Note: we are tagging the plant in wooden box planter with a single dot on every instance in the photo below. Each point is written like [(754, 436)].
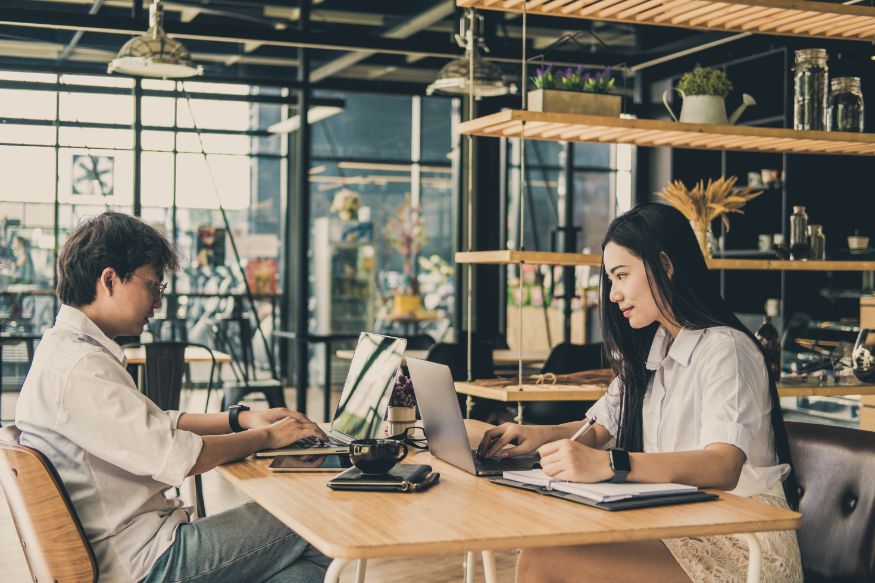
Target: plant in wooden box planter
[(573, 91), (704, 92), (704, 203)]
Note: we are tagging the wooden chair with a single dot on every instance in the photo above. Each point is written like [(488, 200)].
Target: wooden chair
[(54, 543)]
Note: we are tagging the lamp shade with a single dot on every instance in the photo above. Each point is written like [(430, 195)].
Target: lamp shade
[(154, 54), (454, 79)]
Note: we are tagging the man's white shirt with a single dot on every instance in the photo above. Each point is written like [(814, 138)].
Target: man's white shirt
[(114, 449)]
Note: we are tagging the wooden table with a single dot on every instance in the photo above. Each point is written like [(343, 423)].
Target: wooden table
[(193, 354), (500, 357), (547, 392), (463, 513)]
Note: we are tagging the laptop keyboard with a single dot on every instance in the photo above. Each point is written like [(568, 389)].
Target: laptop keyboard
[(500, 464), (313, 443)]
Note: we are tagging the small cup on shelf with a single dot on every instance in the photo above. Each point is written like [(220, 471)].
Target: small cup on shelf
[(858, 242)]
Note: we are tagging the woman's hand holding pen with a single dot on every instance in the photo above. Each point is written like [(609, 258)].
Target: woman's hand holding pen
[(574, 462)]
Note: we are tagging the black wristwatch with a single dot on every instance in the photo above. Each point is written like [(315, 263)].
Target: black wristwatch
[(233, 412), (620, 463)]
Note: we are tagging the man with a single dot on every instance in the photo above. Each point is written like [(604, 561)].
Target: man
[(117, 453)]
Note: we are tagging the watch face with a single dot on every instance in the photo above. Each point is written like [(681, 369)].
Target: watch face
[(620, 460)]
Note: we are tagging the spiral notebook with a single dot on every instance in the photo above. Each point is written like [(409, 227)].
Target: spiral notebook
[(605, 495)]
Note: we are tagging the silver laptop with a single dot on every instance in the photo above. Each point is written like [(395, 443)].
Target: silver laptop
[(364, 400), (444, 426)]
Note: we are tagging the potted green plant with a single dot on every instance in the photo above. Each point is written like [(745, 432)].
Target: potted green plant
[(704, 92), (572, 90)]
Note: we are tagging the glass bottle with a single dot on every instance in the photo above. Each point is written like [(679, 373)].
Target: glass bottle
[(816, 242), (770, 340), (810, 90), (845, 107), (799, 233)]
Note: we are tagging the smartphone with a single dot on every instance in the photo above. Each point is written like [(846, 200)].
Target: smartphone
[(310, 463)]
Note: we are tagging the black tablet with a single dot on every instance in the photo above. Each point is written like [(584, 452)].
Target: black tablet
[(310, 463)]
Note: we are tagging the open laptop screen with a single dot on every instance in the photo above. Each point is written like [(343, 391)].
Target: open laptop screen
[(368, 386)]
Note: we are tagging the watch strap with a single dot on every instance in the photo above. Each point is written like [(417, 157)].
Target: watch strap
[(233, 417), (620, 464)]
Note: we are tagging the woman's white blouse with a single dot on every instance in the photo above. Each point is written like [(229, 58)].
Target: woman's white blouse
[(711, 387)]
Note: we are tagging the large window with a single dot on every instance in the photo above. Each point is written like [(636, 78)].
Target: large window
[(600, 186), (392, 154)]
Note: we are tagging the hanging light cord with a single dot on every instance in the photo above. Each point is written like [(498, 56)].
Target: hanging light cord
[(521, 245), (249, 295), (469, 269)]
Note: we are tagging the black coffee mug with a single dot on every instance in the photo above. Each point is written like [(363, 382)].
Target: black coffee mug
[(376, 456)]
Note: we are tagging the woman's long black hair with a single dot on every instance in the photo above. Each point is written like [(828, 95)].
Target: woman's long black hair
[(648, 231)]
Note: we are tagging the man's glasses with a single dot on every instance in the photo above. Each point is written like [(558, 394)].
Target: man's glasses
[(157, 288)]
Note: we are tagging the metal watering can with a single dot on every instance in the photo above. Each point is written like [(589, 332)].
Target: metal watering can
[(706, 108)]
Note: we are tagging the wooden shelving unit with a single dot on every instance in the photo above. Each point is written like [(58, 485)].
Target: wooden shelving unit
[(658, 133), (780, 17), (594, 260)]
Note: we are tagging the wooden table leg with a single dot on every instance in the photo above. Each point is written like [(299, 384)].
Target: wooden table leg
[(332, 575), (755, 554), (469, 406), (519, 412)]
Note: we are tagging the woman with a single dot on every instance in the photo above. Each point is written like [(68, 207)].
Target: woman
[(692, 401)]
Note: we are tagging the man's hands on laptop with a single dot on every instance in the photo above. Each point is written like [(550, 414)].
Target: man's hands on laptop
[(284, 426), (524, 439), (262, 418)]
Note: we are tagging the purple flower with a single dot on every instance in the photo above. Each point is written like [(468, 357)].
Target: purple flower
[(539, 72), (580, 69), (549, 68)]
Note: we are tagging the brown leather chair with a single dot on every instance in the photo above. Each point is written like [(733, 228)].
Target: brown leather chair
[(54, 543), (835, 467)]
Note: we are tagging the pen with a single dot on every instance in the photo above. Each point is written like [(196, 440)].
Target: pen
[(583, 429)]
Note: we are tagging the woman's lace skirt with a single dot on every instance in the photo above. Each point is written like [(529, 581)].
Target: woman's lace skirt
[(724, 558)]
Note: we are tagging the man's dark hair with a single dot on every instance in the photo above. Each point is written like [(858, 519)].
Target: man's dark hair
[(111, 239)]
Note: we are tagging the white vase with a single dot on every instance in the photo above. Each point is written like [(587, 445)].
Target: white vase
[(400, 418)]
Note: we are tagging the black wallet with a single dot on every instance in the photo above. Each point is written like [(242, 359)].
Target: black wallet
[(401, 478)]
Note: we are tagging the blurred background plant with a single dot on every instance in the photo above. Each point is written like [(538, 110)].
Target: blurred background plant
[(405, 233)]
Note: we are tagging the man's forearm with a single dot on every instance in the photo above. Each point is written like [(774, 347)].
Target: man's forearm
[(204, 423), (220, 449)]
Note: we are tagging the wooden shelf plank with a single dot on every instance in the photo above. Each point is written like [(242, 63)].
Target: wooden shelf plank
[(778, 17), (594, 260), (534, 257), (529, 393), (658, 133)]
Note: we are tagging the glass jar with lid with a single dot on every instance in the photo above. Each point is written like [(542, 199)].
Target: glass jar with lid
[(845, 107), (799, 233), (810, 90), (816, 243)]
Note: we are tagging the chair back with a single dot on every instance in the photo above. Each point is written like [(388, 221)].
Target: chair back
[(566, 358), (162, 375), (420, 342), (835, 467), (164, 368), (455, 356), (51, 536)]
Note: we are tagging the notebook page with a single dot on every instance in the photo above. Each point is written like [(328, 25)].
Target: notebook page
[(534, 477)]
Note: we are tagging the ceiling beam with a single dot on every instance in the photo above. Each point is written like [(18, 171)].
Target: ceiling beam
[(406, 29), (227, 34)]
